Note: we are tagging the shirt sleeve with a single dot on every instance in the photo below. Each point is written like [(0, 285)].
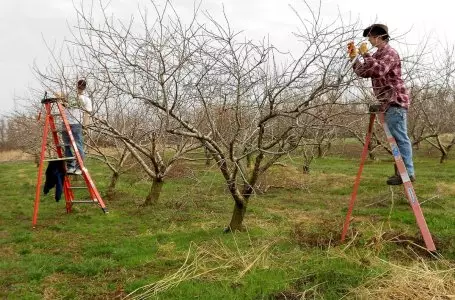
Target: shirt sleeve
[(374, 68), (86, 103)]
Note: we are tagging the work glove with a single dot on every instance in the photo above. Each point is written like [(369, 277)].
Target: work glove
[(363, 49), (352, 50)]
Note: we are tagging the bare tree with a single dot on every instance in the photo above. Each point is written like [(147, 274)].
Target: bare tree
[(244, 101), (433, 95), (24, 132)]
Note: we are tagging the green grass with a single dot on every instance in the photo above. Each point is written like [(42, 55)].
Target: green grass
[(89, 255)]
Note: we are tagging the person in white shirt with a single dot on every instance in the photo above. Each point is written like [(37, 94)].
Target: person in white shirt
[(76, 110)]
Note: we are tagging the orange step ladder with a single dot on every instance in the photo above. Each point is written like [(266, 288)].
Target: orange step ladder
[(51, 105), (408, 188)]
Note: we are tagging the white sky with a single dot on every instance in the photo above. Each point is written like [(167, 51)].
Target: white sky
[(25, 24)]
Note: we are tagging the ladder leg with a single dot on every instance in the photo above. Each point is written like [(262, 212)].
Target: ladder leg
[(40, 172), (357, 179), (69, 196), (93, 190), (408, 188)]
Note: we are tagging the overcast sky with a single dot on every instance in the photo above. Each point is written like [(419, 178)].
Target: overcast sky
[(25, 24)]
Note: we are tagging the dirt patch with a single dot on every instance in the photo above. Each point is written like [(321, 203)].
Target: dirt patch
[(290, 177), (409, 245), (287, 295), (117, 196), (280, 177), (329, 180), (302, 288), (119, 294), (14, 155), (446, 189), (321, 233), (179, 170)]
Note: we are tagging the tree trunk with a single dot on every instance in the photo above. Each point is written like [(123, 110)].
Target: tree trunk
[(237, 217), (208, 157), (111, 188), (442, 149), (371, 155), (444, 157), (155, 191), (306, 168), (320, 151), (370, 152)]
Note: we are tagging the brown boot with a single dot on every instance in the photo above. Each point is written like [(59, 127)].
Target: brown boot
[(396, 180)]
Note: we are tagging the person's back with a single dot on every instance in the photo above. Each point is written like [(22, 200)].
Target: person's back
[(75, 110), (76, 107)]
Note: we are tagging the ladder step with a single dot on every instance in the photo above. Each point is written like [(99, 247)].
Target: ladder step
[(85, 201), (62, 145), (60, 158), (73, 174), (78, 187)]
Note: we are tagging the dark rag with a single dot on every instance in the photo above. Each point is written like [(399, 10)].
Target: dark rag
[(55, 175)]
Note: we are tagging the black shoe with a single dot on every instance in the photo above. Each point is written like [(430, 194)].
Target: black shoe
[(396, 180)]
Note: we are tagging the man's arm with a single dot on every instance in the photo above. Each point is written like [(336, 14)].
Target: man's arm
[(87, 109), (86, 103), (375, 68)]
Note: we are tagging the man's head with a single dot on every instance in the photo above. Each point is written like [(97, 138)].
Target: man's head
[(81, 85), (377, 34)]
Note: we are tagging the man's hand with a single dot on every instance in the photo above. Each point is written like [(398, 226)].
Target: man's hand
[(363, 49), (352, 50)]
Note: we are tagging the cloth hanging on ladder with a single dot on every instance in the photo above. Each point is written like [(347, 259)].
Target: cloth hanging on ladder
[(55, 175)]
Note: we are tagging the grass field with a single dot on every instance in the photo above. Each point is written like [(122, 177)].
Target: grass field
[(177, 249)]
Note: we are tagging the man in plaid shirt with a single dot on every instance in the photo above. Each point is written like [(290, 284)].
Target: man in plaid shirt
[(384, 69)]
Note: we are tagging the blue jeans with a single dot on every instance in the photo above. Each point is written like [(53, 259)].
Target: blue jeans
[(396, 119), (76, 129)]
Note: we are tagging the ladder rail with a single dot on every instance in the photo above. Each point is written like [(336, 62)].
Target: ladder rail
[(358, 176), (40, 172), (408, 187)]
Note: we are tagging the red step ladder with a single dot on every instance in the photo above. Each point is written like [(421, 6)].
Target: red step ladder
[(408, 188), (54, 105)]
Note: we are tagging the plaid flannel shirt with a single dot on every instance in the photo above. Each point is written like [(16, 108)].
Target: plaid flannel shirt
[(384, 69)]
